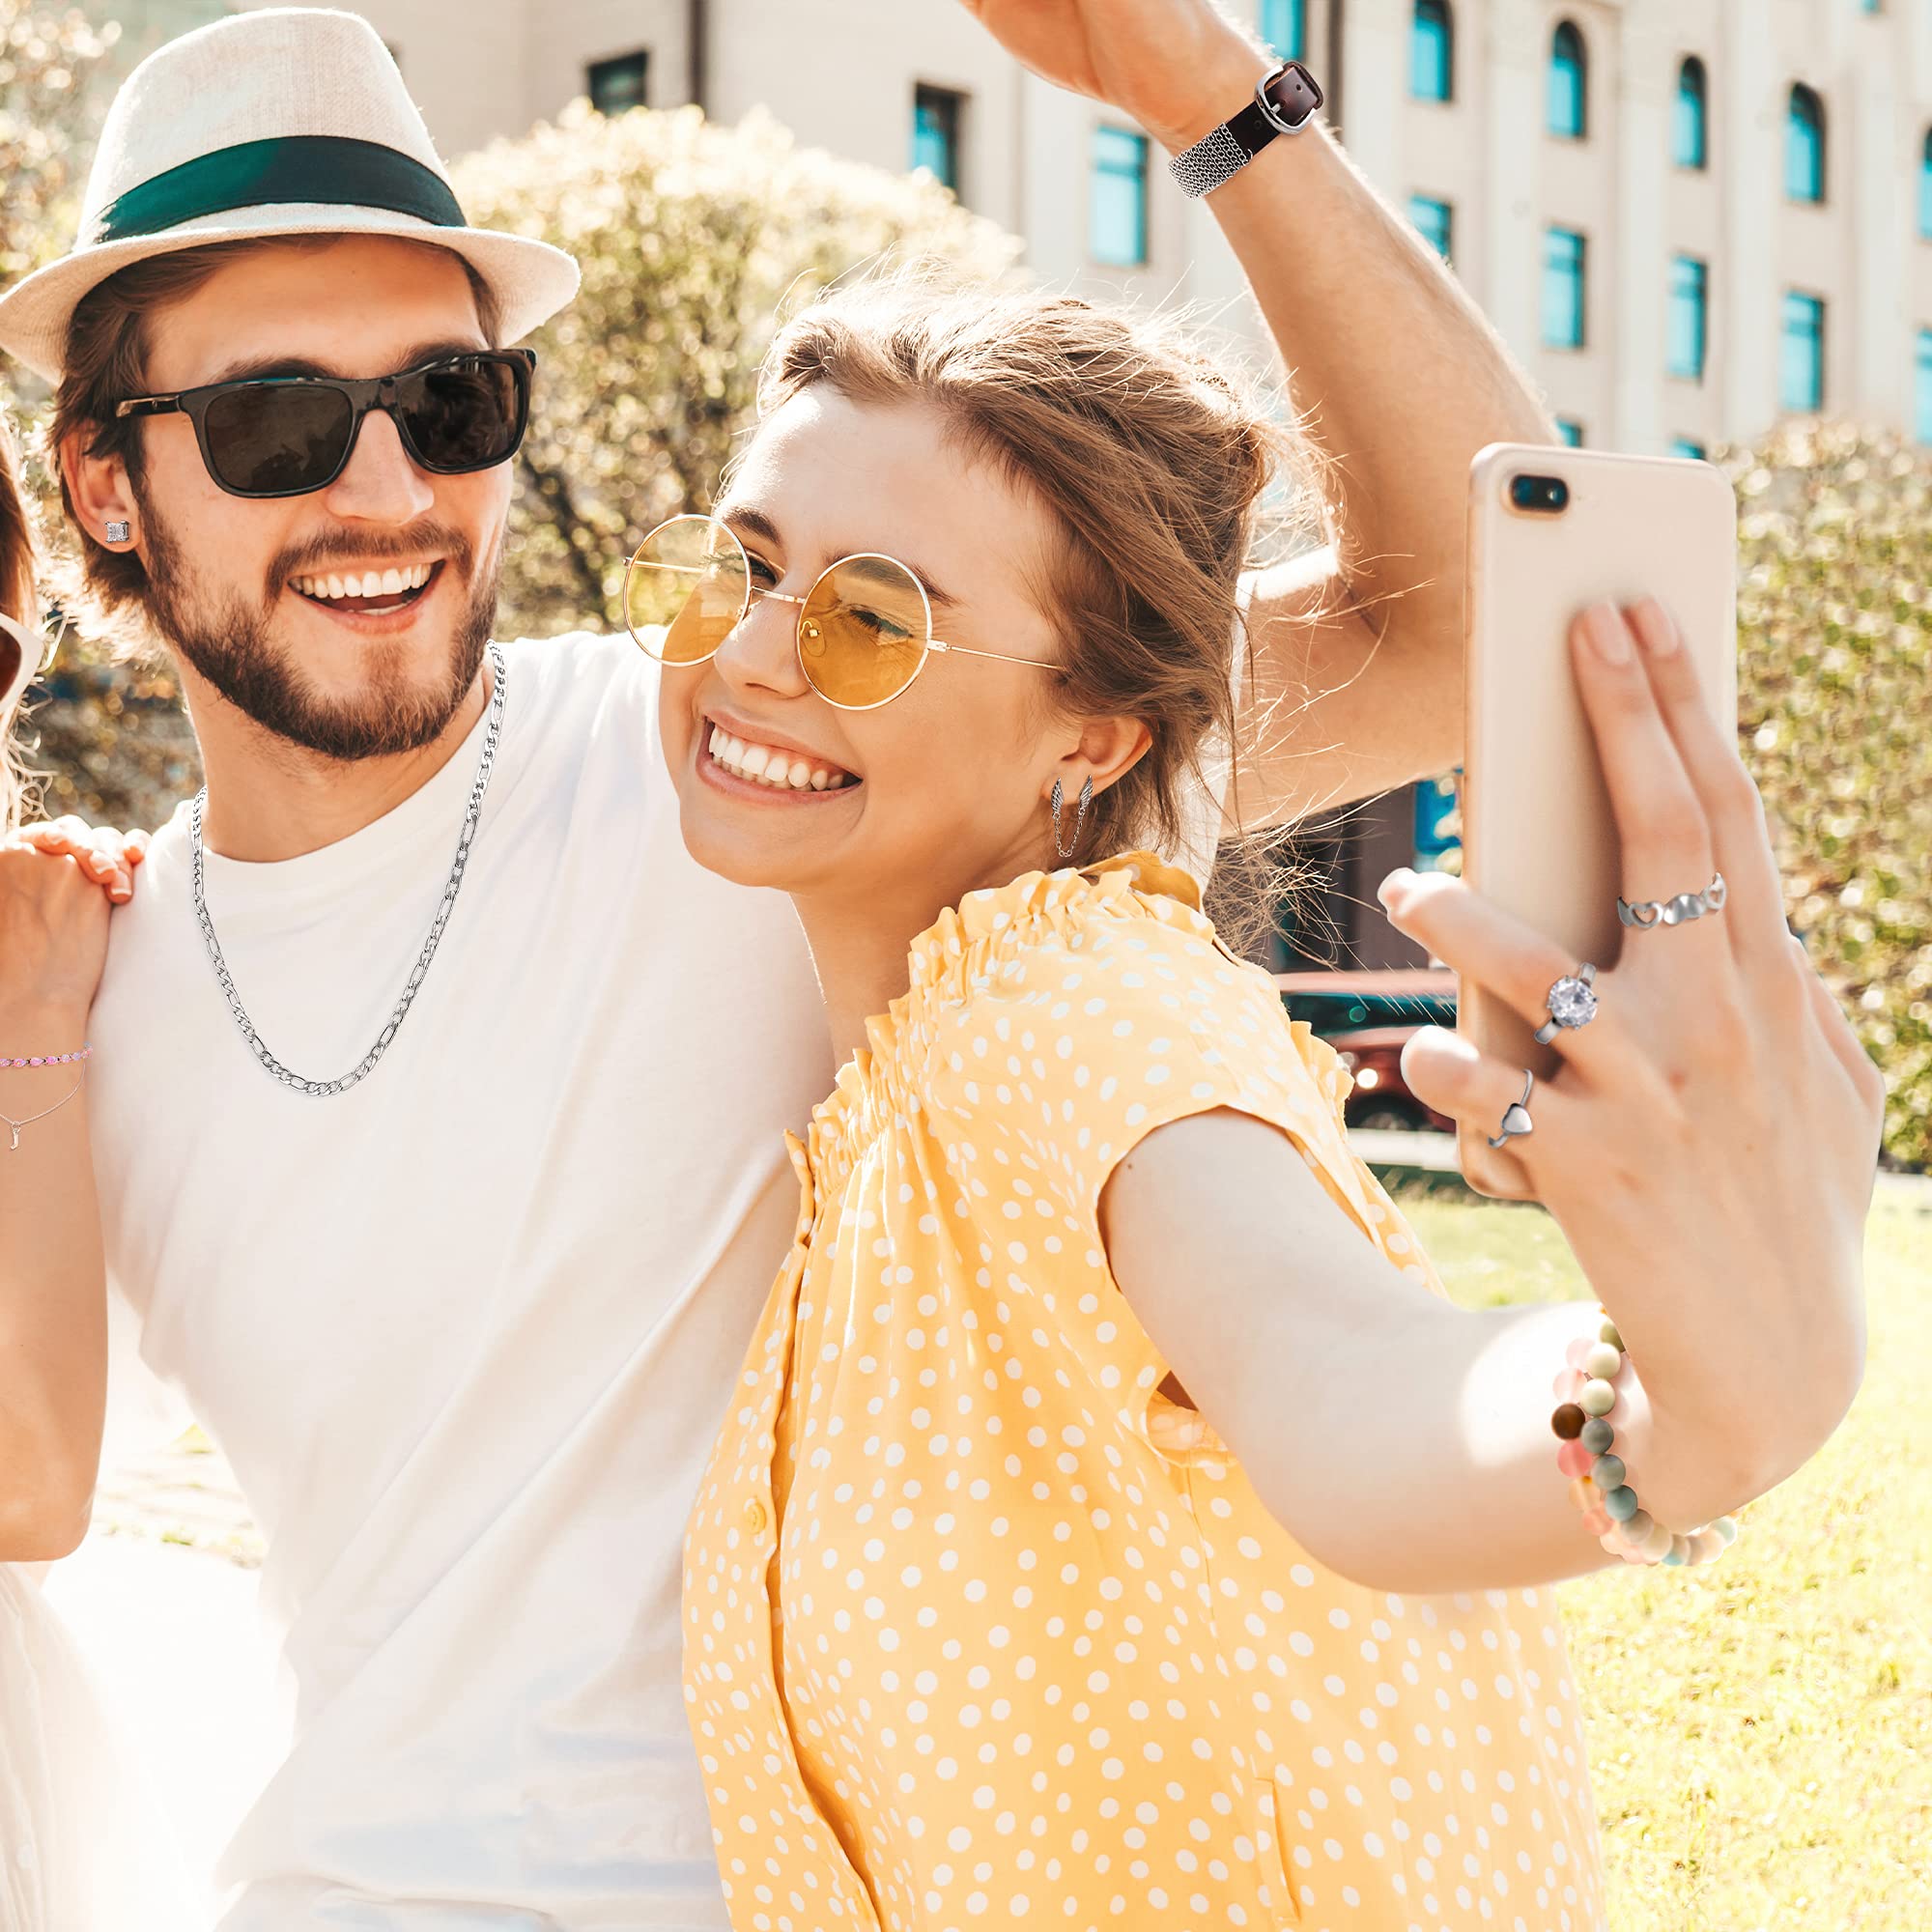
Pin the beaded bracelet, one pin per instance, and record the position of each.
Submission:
(49, 1059)
(1599, 1483)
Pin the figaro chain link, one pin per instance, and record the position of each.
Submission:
(324, 1088)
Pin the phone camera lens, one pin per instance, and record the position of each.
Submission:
(1544, 494)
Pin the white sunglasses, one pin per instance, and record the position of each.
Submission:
(33, 653)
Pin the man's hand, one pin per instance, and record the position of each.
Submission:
(104, 855)
(1178, 67)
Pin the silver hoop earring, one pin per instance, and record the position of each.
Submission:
(1079, 823)
(119, 533)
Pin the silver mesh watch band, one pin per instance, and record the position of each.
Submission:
(1205, 165)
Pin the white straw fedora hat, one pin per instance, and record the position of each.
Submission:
(291, 121)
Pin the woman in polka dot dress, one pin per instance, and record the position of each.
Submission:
(1115, 1523)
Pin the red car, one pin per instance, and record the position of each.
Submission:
(1366, 1017)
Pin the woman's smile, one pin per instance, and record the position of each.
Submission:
(748, 761)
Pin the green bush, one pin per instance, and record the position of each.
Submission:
(695, 241)
(1835, 690)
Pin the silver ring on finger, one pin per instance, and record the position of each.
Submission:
(1678, 911)
(1515, 1116)
(1572, 1003)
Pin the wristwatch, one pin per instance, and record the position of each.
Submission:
(1283, 101)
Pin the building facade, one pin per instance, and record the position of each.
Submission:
(1687, 217)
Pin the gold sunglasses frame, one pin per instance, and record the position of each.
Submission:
(753, 595)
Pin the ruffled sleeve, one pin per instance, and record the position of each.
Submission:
(1087, 1010)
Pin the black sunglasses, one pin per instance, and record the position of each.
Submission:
(286, 435)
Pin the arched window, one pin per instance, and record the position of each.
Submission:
(1568, 83)
(1805, 146)
(1690, 131)
(1925, 187)
(1431, 52)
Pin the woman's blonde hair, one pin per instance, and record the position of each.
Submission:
(18, 601)
(1153, 460)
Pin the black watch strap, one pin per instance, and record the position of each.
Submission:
(1284, 100)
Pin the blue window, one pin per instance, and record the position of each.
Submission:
(935, 134)
(1431, 52)
(1435, 805)
(1284, 26)
(1925, 187)
(1117, 209)
(1921, 397)
(1801, 372)
(1571, 430)
(617, 86)
(1686, 445)
(1437, 220)
(1805, 146)
(1568, 83)
(1690, 133)
(1562, 289)
(1689, 283)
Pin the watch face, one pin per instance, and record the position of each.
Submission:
(1294, 95)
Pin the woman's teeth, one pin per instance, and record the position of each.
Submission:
(366, 584)
(783, 771)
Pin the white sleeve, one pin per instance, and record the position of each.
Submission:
(1203, 802)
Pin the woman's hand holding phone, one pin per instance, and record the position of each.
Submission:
(1709, 1140)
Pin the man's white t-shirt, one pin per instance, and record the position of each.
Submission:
(466, 1333)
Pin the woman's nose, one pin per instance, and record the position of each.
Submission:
(762, 650)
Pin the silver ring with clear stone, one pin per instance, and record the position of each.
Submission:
(1674, 912)
(1515, 1116)
(1571, 1002)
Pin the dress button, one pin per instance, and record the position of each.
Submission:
(755, 1516)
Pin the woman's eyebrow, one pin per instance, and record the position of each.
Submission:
(762, 526)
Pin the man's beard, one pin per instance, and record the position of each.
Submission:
(227, 641)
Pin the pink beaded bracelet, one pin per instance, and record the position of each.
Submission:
(49, 1059)
(1599, 1481)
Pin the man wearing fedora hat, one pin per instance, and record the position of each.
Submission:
(439, 1169)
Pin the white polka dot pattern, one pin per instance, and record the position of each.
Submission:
(979, 1626)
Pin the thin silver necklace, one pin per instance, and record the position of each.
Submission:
(323, 1088)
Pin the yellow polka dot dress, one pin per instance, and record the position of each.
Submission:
(979, 1628)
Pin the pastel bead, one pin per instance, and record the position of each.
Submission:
(1584, 1493)
(1597, 1436)
(1609, 1333)
(1574, 1460)
(1608, 1472)
(1727, 1529)
(1602, 1361)
(1708, 1545)
(1598, 1398)
(1567, 1422)
(1559, 1387)
(1621, 1502)
(1596, 1523)
(1577, 1352)
(1658, 1543)
(1635, 1529)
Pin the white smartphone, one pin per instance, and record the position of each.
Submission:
(1551, 532)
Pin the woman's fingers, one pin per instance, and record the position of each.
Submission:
(1663, 834)
(1733, 808)
(1444, 1071)
(106, 856)
(1495, 949)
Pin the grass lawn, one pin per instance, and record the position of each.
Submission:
(1761, 1729)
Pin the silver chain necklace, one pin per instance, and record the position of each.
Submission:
(322, 1088)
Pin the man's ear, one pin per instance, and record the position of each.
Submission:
(98, 488)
